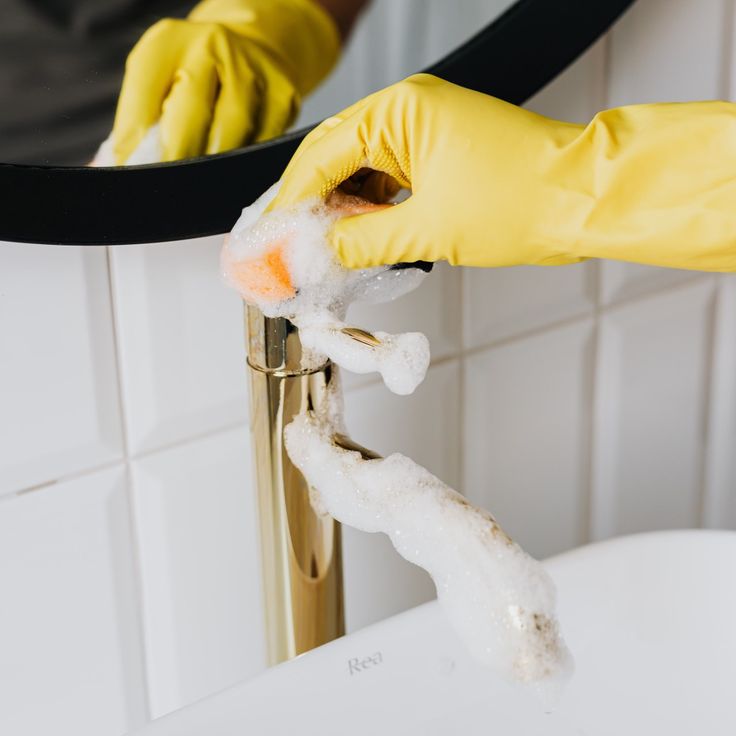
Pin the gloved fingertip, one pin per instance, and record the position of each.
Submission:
(123, 146)
(179, 142)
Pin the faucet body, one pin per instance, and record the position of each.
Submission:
(301, 551)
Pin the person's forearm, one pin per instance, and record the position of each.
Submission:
(653, 184)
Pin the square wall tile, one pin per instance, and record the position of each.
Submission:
(503, 302)
(526, 436)
(202, 607)
(668, 51)
(181, 342)
(71, 657)
(424, 426)
(650, 410)
(59, 402)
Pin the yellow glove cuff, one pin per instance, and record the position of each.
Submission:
(299, 33)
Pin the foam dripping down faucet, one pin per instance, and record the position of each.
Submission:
(500, 600)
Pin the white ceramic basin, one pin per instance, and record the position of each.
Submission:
(650, 619)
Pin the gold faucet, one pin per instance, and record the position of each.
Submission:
(301, 551)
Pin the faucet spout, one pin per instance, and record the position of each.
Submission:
(301, 551)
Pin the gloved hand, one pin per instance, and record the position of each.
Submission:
(232, 73)
(495, 185)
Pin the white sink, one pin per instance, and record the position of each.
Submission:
(650, 619)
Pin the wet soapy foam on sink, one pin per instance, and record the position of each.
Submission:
(282, 263)
(499, 599)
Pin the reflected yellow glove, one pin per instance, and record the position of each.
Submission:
(232, 73)
(495, 185)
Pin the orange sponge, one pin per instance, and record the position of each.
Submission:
(268, 278)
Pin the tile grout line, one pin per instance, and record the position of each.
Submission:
(579, 316)
(199, 437)
(89, 470)
(528, 334)
(116, 342)
(688, 280)
(136, 552)
(709, 387)
(137, 556)
(122, 461)
(462, 390)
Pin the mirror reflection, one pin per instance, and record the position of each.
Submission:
(123, 82)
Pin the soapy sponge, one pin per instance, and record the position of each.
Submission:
(282, 262)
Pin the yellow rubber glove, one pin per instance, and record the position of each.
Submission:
(495, 185)
(233, 72)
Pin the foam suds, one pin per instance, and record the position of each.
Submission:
(499, 599)
(281, 262)
(401, 360)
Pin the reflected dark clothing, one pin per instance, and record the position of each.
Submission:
(61, 65)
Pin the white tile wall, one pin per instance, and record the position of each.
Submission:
(58, 385)
(504, 302)
(71, 657)
(651, 399)
(195, 515)
(575, 402)
(621, 281)
(180, 338)
(526, 435)
(668, 51)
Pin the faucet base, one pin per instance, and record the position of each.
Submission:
(301, 552)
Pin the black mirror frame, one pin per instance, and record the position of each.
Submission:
(512, 58)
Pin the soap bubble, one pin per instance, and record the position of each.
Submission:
(281, 262)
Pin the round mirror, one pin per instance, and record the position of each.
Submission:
(62, 61)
